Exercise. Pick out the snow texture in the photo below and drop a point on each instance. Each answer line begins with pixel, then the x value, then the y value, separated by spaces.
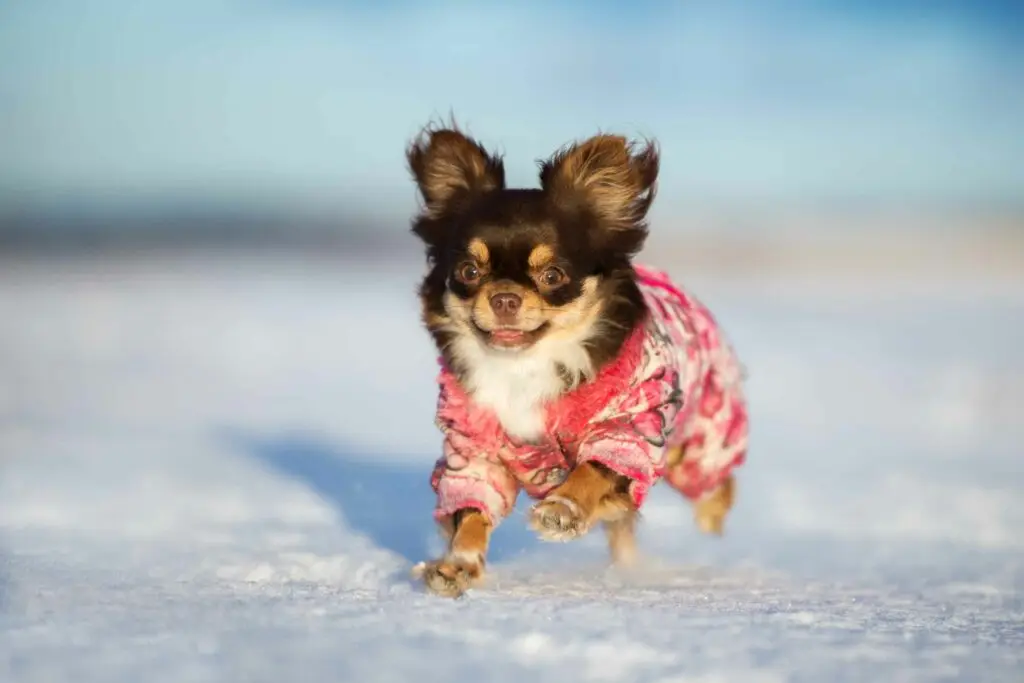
pixel 216 469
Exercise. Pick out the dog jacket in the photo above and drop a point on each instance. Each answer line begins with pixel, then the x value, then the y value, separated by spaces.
pixel 669 406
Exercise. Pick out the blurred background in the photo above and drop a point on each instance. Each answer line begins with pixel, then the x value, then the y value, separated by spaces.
pixel 283 122
pixel 204 215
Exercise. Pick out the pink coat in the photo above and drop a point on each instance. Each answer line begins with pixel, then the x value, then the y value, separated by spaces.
pixel 676 382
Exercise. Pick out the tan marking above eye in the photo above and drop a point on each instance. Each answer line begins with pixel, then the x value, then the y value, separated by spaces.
pixel 541 256
pixel 478 250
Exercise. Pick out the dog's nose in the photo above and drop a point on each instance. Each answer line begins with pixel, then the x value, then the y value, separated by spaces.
pixel 506 305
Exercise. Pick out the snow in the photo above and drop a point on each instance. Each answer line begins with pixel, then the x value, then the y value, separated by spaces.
pixel 215 469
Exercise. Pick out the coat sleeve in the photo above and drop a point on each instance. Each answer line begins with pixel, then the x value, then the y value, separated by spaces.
pixel 629 436
pixel 469 473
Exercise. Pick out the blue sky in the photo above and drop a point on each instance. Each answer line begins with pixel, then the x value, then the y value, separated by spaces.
pixel 311 101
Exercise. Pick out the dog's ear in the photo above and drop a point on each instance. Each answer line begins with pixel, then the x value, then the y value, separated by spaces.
pixel 612 178
pixel 449 167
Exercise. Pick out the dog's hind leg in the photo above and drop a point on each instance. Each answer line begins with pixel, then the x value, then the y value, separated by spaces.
pixel 621 533
pixel 709 508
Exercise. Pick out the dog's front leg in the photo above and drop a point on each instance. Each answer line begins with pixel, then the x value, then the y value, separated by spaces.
pixel 463 564
pixel 591 493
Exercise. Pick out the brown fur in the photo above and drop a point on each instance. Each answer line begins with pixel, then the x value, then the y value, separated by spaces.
pixel 621 534
pixel 710 511
pixel 479 251
pixel 465 199
pixel 534 310
pixel 462 566
pixel 607 175
pixel 587 220
pixel 448 165
pixel 595 494
pixel 540 257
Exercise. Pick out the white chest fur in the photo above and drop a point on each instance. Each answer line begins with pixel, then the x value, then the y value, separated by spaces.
pixel 516 385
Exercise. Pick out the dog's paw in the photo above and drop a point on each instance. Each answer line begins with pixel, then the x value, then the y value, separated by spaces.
pixel 558 519
pixel 448 577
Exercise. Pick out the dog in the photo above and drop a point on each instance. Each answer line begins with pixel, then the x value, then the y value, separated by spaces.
pixel 566 370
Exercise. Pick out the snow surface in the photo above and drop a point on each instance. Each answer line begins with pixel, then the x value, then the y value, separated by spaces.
pixel 215 469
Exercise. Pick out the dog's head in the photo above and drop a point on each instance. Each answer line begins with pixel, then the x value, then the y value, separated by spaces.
pixel 529 271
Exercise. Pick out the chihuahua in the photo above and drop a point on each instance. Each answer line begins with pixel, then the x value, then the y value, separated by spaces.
pixel 566 370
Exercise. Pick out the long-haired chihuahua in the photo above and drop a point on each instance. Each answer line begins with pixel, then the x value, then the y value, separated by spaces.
pixel 566 370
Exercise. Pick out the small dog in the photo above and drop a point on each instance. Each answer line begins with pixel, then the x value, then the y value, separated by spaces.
pixel 566 370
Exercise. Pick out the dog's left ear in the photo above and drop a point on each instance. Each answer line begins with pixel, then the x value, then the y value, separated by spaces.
pixel 612 178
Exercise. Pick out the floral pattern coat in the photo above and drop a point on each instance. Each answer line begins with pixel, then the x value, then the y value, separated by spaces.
pixel 669 406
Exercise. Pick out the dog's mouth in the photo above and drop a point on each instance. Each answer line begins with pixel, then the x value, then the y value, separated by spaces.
pixel 509 338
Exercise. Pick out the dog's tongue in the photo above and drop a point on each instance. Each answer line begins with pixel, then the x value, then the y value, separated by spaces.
pixel 507 336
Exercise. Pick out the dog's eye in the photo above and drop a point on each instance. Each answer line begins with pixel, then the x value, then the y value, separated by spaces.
pixel 553 277
pixel 467 273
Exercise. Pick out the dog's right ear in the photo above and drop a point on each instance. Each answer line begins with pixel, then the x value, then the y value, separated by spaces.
pixel 449 168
